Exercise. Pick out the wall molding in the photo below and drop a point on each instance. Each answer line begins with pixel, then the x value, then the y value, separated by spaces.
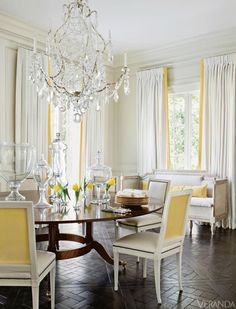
pixel 20 33
pixel 176 53
pixel 184 51
pixel 195 48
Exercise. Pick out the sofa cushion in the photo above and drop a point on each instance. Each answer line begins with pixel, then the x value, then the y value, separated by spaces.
pixel 201 201
pixel 184 179
pixel 210 186
pixel 176 188
pixel 198 191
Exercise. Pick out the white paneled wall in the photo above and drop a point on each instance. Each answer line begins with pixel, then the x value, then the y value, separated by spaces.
pixel 7 93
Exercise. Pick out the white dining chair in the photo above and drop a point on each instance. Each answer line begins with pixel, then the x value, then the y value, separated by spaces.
pixel 20 263
pixel 157 191
pixel 157 246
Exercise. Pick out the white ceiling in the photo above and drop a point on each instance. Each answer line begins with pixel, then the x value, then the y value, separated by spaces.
pixel 137 25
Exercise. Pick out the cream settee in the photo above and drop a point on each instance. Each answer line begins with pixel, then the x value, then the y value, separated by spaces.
pixel 209 209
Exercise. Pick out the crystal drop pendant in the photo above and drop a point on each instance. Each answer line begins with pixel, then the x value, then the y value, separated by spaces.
pixel 98 107
pixel 116 97
pixel 77 118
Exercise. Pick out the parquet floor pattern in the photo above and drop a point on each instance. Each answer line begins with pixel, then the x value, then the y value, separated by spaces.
pixel 209 274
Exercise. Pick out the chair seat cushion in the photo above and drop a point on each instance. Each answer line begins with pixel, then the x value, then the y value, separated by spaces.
pixel 144 241
pixel 44 259
pixel 144 220
pixel 201 201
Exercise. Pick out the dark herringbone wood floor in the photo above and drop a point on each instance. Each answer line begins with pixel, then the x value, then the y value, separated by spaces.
pixel 209 274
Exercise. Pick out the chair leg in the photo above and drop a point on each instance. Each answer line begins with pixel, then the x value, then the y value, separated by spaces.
pixel 35 296
pixel 138 259
pixel 144 268
pixel 213 229
pixel 52 286
pixel 117 230
pixel 191 226
pixel 116 269
pixel 157 275
pixel 179 269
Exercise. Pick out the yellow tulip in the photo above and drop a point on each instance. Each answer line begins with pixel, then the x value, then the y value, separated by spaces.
pixel 56 188
pixel 75 187
pixel 111 182
pixel 90 186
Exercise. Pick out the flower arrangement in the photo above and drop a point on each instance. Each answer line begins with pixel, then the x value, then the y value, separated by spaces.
pixel 81 187
pixel 61 191
pixel 87 184
pixel 77 189
pixel 109 183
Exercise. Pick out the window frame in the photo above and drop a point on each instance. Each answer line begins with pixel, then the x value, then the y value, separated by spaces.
pixel 188 99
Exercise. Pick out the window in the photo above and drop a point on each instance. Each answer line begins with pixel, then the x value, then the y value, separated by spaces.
pixel 184 127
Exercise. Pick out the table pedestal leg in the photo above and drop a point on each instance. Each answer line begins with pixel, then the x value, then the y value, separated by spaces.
pixel 54 236
pixel 98 246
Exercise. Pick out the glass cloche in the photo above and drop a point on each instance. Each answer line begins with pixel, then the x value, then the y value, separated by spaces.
pixel 99 174
pixel 58 161
pixel 16 163
pixel 42 173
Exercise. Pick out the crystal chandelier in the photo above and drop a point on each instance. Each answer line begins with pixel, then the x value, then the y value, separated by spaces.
pixel 76 77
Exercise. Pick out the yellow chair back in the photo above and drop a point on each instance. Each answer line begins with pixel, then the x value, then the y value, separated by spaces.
pixel 176 218
pixel 14 236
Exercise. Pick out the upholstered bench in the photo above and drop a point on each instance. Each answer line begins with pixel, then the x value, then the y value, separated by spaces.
pixel 211 206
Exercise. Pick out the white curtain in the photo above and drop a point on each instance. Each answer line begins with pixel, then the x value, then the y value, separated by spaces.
pixel 152 118
pixel 31 113
pixel 219 131
pixel 93 135
pixel 72 140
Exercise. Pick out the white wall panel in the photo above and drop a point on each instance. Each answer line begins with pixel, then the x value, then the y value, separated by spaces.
pixel 10 85
pixel 7 94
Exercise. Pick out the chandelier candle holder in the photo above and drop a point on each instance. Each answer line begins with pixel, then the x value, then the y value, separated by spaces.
pixel 76 77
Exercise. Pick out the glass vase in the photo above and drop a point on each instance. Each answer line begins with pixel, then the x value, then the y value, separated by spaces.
pixel 16 163
pixel 106 196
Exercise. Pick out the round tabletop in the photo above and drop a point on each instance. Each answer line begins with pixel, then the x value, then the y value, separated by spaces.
pixel 86 213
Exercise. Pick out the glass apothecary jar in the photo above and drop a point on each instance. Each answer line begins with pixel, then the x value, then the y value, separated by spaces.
pixel 58 162
pixel 42 173
pixel 99 174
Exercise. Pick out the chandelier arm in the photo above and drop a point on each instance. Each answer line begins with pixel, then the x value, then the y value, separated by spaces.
pixel 59 88
pixel 68 15
pixel 93 27
pixel 62 65
pixel 121 77
pixel 61 70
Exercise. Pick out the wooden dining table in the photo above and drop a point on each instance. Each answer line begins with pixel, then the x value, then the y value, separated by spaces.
pixel 86 214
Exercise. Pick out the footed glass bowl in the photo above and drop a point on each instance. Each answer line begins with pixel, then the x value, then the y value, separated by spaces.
pixel 16 163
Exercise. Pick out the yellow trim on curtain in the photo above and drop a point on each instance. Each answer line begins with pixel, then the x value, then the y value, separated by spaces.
pixel 167 116
pixel 49 131
pixel 200 115
pixel 81 148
